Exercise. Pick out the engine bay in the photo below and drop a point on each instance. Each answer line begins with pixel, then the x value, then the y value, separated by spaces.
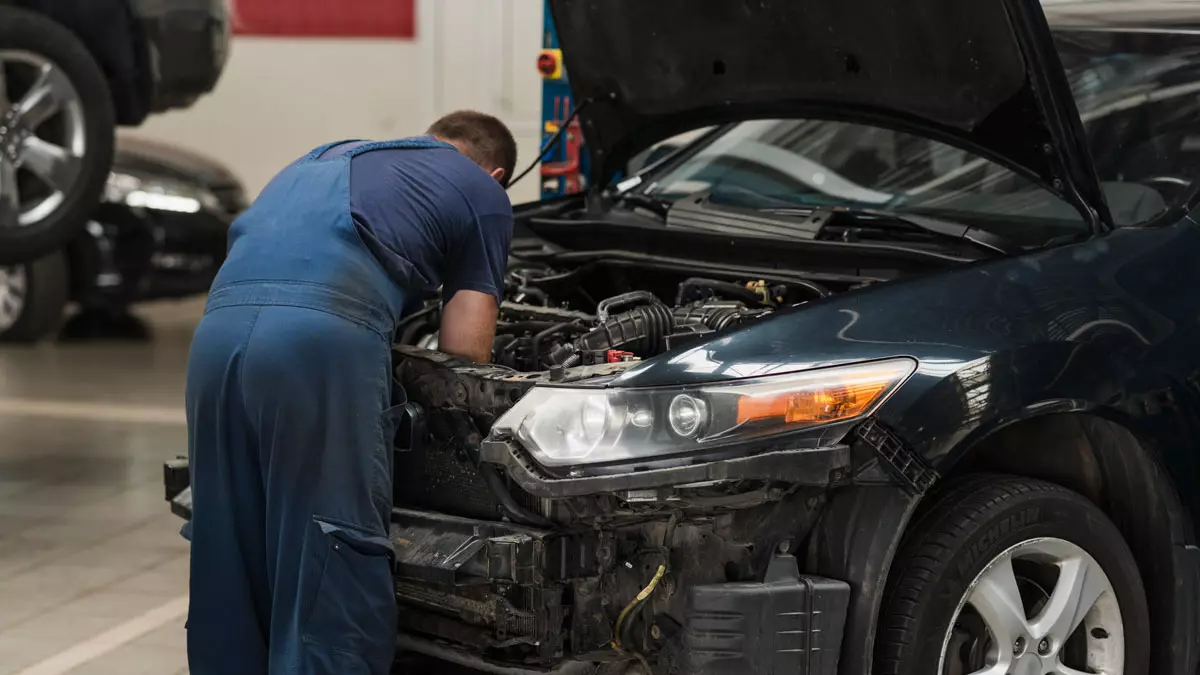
pixel 563 319
pixel 555 316
pixel 494 559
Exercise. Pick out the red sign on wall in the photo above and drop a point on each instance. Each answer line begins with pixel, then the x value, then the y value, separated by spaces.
pixel 324 18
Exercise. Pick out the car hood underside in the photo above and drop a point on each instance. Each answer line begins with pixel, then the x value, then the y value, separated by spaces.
pixel 981 73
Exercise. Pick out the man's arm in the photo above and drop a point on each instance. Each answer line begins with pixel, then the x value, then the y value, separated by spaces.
pixel 469 325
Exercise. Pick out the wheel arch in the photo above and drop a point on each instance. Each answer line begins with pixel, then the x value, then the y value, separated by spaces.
pixel 109 30
pixel 861 529
pixel 1121 473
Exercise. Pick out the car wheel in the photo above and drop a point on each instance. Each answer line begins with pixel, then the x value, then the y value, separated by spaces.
pixel 32 298
pixel 1003 575
pixel 56 135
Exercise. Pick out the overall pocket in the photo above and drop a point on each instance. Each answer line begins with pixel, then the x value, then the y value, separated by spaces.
pixel 354 610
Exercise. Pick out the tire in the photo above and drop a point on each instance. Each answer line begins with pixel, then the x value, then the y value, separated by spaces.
pixel 951 561
pixel 25 34
pixel 44 297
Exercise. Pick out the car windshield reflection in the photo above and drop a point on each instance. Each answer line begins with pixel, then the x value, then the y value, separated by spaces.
pixel 1139 100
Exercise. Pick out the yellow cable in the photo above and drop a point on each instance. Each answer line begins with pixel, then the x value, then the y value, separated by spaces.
pixel 641 596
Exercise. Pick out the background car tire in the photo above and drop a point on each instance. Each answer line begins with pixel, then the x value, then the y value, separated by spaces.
pixel 46 289
pixel 961 532
pixel 26 31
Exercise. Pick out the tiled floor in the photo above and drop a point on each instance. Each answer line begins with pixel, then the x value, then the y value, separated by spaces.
pixel 93 573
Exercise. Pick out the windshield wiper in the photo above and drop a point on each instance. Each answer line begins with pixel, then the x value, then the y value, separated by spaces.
pixel 915 222
pixel 656 205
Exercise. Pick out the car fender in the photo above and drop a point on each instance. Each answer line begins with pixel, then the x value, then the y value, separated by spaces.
pixel 108 29
pixel 1090 419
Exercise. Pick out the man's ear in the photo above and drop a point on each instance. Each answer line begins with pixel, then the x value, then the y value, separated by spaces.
pixel 498 174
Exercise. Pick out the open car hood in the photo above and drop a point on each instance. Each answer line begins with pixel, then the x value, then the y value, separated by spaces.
pixel 981 74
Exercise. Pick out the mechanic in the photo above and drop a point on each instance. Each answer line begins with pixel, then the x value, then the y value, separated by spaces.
pixel 289 391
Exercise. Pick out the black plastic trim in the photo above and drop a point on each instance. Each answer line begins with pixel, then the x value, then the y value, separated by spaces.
pixel 176 477
pixel 411 643
pixel 437 548
pixel 817 467
pixel 181 504
pixel 788 623
pixel 856 540
pixel 189 41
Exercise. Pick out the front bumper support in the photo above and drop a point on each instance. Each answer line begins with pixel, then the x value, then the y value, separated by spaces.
pixel 449 550
pixel 452 572
pixel 470 590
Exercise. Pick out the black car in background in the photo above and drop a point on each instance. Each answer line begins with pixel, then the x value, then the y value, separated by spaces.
pixel 70 72
pixel 159 232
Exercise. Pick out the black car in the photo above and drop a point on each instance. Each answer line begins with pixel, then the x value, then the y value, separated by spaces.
pixel 893 371
pixel 70 71
pixel 159 232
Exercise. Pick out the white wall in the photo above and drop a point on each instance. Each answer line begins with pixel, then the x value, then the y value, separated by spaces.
pixel 280 97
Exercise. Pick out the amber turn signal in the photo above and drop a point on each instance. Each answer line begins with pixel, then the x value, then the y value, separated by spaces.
pixel 832 402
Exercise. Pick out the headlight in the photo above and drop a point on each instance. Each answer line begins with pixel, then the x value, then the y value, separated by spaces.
pixel 158 195
pixel 563 426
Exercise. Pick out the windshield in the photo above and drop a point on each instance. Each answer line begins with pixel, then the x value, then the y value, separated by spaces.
pixel 1139 98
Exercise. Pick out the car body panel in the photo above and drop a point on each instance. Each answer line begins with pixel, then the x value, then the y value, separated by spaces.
pixel 1107 325
pixel 158 55
pixel 142 156
pixel 1102 333
pixel 109 30
pixel 642 71
pixel 189 42
pixel 130 254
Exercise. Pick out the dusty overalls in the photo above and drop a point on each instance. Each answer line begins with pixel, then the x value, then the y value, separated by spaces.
pixel 288 398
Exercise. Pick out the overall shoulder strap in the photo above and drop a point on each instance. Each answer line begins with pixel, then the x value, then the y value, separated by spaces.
pixel 414 143
pixel 316 153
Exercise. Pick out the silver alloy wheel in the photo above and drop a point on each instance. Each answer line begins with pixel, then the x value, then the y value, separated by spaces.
pixel 1069 625
pixel 42 137
pixel 14 285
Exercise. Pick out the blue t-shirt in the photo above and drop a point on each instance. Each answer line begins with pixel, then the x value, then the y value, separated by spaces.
pixel 432 217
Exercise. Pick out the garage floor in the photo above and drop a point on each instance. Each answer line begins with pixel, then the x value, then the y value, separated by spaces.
pixel 93 573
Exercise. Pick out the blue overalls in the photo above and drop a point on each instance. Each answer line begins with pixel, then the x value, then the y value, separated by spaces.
pixel 289 401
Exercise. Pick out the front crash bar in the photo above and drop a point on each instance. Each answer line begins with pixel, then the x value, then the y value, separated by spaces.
pixel 442 549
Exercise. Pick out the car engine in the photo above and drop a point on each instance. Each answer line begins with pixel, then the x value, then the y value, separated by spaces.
pixel 542 327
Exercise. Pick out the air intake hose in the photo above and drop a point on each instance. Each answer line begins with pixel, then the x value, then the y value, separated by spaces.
pixel 642 330
pixel 716 317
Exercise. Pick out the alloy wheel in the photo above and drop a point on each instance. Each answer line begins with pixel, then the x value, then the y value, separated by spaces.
pixel 42 137
pixel 14 287
pixel 1043 606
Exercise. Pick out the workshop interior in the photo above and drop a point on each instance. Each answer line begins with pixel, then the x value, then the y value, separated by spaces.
pixel 835 337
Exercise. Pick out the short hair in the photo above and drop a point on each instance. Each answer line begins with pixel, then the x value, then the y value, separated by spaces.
pixel 483 138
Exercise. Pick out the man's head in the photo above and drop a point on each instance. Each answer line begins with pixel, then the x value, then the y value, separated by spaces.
pixel 482 138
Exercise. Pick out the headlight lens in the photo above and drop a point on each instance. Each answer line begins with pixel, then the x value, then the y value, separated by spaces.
pixel 158 195
pixel 562 426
